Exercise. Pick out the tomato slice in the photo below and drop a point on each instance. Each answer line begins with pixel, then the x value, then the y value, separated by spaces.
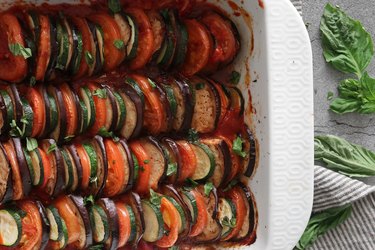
pixel 171 223
pixel 16 175
pixel 38 106
pixel 112 55
pixel 46 167
pixel 202 218
pixel 44 48
pixel 235 159
pixel 100 109
pixel 225 42
pixel 87 40
pixel 235 195
pixel 200 47
pixel 145 38
pixel 144 171
pixel 116 163
pixel 189 161
pixel 70 109
pixel 64 205
pixel 12 68
pixel 86 169
pixel 124 223
pixel 32 229
pixel 155 120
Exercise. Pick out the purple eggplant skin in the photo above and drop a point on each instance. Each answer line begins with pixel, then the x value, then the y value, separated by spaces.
pixel 79 110
pixel 213 197
pixel 134 200
pixel 56 93
pixel 252 154
pixel 167 108
pixel 73 152
pixel 171 191
pixel 139 105
pixel 128 152
pixel 50 72
pixel 47 127
pixel 100 149
pixel 45 225
pixel 115 116
pixel 171 144
pixel 17 104
pixel 60 170
pixel 110 208
pixel 227 161
pixel 24 169
pixel 8 192
pixel 216 95
pixel 80 204
pixel 188 93
pixel 250 236
pixel 156 143
pixel 3 109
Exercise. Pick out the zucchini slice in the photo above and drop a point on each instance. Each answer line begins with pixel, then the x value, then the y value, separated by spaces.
pixel 121 109
pixel 99 223
pixel 27 118
pixel 226 216
pixel 133 224
pixel 86 96
pixel 10 115
pixel 191 203
pixel 205 162
pixel 154 223
pixel 132 45
pixel 11 227
pixel 37 166
pixel 180 210
pixel 77 50
pixel 93 162
pixel 56 224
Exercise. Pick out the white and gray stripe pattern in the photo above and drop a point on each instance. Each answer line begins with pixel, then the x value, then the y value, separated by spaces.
pixel 332 190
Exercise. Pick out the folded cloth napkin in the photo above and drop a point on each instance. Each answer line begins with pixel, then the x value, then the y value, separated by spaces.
pixel 334 190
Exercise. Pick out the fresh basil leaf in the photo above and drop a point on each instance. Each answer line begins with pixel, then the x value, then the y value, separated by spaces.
pixel 322 222
pixel 146 161
pixel 355 96
pixel 192 182
pixel 231 184
pixel 18 50
pixel 172 168
pixel 32 81
pixel 68 138
pixel 200 86
pixel 231 223
pixel 237 147
pixel 155 198
pixel 31 144
pixel 89 200
pixel 105 133
pixel 329 95
pixel 101 93
pixel 114 6
pixel 208 187
pixel 51 148
pixel 235 77
pixel 193 135
pixel 89 59
pixel 152 83
pixel 344 157
pixel 119 44
pixel 15 130
pixel 346 44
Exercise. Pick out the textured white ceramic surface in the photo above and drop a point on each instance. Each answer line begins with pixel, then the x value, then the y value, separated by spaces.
pixel 279 73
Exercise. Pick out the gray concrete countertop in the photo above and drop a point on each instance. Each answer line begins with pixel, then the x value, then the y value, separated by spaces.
pixel 356 128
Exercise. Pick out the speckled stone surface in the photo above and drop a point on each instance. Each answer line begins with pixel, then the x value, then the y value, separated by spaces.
pixel 356 128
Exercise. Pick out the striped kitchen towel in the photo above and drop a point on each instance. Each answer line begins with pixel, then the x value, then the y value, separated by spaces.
pixel 334 190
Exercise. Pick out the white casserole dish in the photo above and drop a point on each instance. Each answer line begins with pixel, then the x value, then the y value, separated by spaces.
pixel 278 72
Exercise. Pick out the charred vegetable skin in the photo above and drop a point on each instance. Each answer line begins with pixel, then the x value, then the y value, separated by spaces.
pixel 41 47
pixel 129 106
pixel 106 167
pixel 79 223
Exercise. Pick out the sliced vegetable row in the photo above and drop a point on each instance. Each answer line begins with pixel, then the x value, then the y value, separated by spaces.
pixel 109 167
pixel 134 105
pixel 45 47
pixel 169 217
